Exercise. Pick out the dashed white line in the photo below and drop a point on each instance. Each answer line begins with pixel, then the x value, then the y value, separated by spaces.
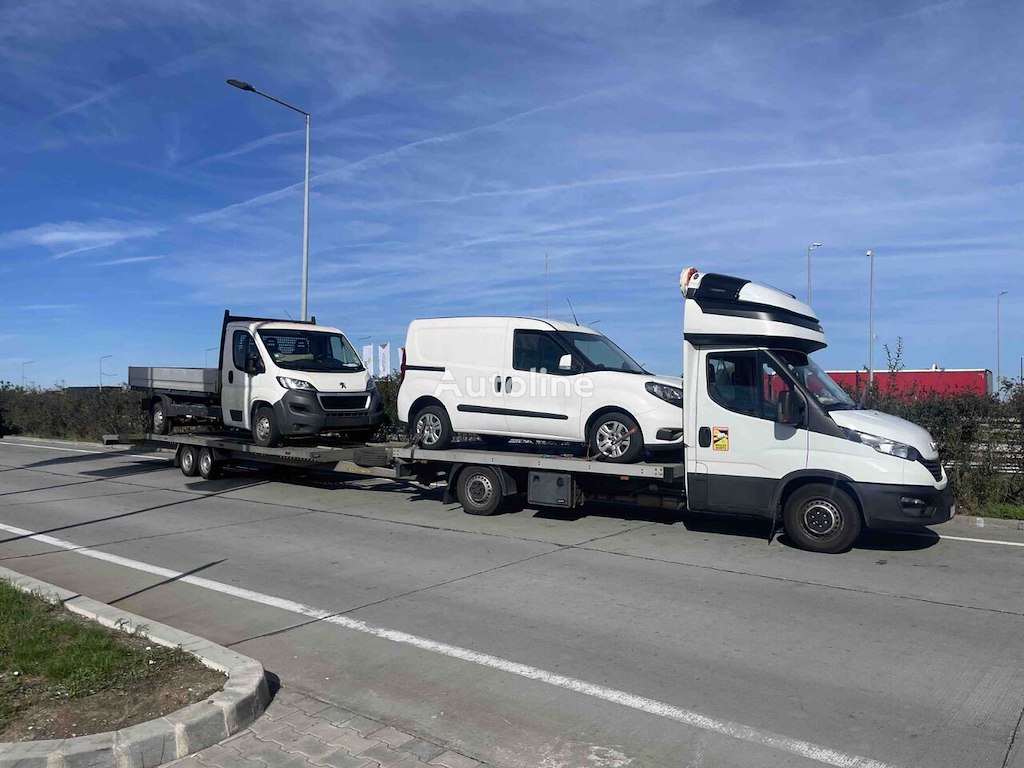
pixel 739 731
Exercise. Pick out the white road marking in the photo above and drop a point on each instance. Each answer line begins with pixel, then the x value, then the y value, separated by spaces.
pixel 81 450
pixel 983 541
pixel 733 730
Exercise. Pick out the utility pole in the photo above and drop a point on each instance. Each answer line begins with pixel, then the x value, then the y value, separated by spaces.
pixel 810 248
pixel 871 320
pixel 545 286
pixel 102 358
pixel 23 364
pixel 999 357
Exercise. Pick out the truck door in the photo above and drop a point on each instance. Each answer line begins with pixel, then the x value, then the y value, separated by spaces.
pixel 236 384
pixel 742 451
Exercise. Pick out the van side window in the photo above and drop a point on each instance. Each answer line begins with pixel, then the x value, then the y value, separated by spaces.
pixel 242 345
pixel 536 351
pixel 745 382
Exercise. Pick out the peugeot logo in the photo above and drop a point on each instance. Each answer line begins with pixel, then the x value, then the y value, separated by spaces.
pixel 343 385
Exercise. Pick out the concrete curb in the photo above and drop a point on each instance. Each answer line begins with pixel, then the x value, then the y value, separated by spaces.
pixel 243 699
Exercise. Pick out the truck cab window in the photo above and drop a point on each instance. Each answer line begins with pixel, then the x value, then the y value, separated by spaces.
pixel 242 346
pixel 733 381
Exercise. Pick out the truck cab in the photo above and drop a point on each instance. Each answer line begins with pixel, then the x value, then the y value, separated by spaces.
pixel 768 430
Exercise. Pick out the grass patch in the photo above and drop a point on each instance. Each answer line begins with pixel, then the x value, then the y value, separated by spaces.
pixel 1002 511
pixel 50 657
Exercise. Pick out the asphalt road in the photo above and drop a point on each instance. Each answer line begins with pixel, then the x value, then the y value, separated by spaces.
pixel 608 639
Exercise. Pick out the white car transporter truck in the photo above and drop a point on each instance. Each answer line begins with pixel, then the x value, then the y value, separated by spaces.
pixel 766 434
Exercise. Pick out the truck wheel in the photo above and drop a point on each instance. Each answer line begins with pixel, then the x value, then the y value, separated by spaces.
pixel 187 460
pixel 209 467
pixel 616 437
pixel 264 428
pixel 822 518
pixel 434 427
pixel 479 491
pixel 160 424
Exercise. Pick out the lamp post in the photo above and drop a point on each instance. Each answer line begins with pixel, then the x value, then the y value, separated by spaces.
pixel 999 358
pixel 206 358
pixel 102 358
pixel 305 205
pixel 871 319
pixel 23 364
pixel 810 248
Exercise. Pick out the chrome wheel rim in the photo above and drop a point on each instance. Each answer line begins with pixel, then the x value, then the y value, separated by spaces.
pixel 479 489
pixel 158 419
pixel 612 439
pixel 262 428
pixel 205 463
pixel 821 518
pixel 430 423
pixel 188 460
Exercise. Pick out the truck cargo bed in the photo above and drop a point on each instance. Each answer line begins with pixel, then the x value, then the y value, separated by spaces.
pixel 201 381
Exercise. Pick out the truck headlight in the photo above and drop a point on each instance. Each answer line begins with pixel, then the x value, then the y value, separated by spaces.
pixel 288 383
pixel 664 392
pixel 884 444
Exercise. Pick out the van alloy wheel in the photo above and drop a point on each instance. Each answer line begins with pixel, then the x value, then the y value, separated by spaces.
pixel 432 428
pixel 612 439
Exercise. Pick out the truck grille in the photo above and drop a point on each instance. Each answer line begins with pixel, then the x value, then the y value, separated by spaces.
pixel 344 402
pixel 934 466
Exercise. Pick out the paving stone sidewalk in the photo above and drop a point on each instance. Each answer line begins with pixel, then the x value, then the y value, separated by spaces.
pixel 298 731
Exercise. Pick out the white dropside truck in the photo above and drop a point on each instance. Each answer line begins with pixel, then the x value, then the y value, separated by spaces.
pixel 275 379
pixel 767 435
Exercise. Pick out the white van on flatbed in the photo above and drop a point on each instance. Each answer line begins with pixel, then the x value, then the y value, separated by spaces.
pixel 512 377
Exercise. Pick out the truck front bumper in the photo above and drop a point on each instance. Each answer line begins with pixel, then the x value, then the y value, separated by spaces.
pixel 299 413
pixel 905 506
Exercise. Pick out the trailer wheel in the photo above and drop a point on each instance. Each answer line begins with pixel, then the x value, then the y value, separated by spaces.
pixel 187 460
pixel 822 518
pixel 209 467
pixel 479 491
pixel 159 422
pixel 615 437
pixel 265 431
pixel 434 427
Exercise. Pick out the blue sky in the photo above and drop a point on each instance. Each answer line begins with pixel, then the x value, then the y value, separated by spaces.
pixel 457 143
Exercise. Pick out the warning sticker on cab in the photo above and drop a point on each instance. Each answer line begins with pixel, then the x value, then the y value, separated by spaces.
pixel 720 438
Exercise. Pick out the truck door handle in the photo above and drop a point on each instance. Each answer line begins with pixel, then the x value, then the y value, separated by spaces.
pixel 497 383
pixel 704 437
pixel 231 377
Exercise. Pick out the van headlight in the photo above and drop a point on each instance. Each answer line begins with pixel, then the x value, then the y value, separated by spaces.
pixel 884 445
pixel 664 392
pixel 289 383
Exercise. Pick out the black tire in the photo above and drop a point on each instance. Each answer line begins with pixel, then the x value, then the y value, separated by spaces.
pixel 265 431
pixel 479 491
pixel 437 428
pixel 371 456
pixel 159 423
pixel 209 467
pixel 822 518
pixel 187 460
pixel 607 438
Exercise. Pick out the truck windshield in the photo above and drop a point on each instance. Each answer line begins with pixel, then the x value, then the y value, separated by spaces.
pixel 600 353
pixel 312 351
pixel 817 382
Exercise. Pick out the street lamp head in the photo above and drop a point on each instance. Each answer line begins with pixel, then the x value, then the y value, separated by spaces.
pixel 815 245
pixel 1003 293
pixel 869 254
pixel 240 84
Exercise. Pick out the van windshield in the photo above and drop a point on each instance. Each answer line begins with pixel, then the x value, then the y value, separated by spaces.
pixel 311 351
pixel 821 386
pixel 599 352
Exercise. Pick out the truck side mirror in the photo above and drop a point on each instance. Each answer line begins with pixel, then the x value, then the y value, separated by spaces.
pixel 253 365
pixel 790 409
pixel 565 363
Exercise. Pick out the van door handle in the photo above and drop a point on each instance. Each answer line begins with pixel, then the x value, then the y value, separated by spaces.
pixel 508 383
pixel 704 437
pixel 497 383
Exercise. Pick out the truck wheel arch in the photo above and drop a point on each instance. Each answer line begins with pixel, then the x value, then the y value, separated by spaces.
pixel 794 480
pixel 509 486
pixel 254 406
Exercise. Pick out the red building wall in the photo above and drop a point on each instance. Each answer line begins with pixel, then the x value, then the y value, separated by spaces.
pixel 943 382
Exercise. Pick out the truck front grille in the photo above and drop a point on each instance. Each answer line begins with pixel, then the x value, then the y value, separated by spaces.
pixel 344 402
pixel 934 466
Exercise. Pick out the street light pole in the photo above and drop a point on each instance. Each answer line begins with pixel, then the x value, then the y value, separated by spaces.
pixel 305 206
pixel 206 357
pixel 23 364
pixel 102 358
pixel 810 248
pixel 870 321
pixel 999 358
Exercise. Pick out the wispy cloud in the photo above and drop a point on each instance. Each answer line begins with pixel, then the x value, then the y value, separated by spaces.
pixel 67 238
pixel 47 307
pixel 128 260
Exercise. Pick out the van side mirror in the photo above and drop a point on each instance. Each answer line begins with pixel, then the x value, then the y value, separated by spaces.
pixel 565 363
pixel 253 365
pixel 790 409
